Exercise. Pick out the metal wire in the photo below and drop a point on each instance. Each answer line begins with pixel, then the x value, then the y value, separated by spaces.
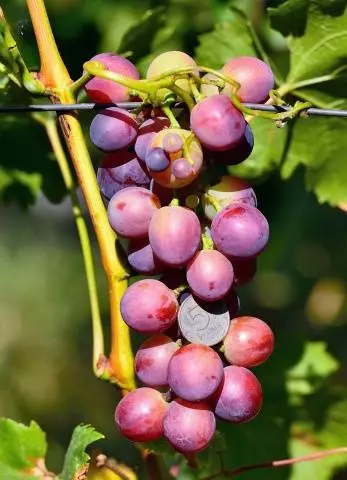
pixel 133 105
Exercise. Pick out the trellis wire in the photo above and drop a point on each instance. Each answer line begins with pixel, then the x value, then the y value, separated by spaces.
pixel 132 105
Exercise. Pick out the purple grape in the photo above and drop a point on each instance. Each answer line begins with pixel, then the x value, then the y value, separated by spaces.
pixel 244 271
pixel 189 427
pixel 157 160
pixel 239 397
pixel 174 234
pixel 142 259
pixel 148 306
pixel 130 211
pixel 195 372
pixel 112 129
pixel 146 132
pixel 217 123
pixel 120 170
pixel 100 90
pixel 254 76
pixel 210 275
pixel 238 152
pixel 181 168
pixel 152 360
pixel 240 231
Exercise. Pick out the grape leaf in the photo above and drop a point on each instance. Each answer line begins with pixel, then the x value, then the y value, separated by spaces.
pixel 320 145
pixel 20 447
pixel 76 458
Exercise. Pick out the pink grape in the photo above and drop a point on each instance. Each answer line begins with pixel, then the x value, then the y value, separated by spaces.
pixel 240 231
pixel 174 235
pixel 188 426
pixel 244 271
pixel 142 259
pixel 249 342
pixel 140 415
pixel 254 76
pixel 195 372
pixel 217 123
pixel 146 132
pixel 210 275
pixel 152 360
pixel 112 129
pixel 239 397
pixel 119 170
pixel 130 211
pixel 100 90
pixel 148 306
pixel 181 168
pixel 172 142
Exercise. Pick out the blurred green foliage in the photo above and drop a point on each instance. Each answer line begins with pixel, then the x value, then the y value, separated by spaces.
pixel 301 284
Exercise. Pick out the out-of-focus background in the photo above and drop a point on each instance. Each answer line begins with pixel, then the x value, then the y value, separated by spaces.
pixel 45 329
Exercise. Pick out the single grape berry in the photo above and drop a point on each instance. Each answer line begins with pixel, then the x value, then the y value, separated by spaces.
pixel 152 360
pixel 172 142
pixel 174 235
pixel 210 275
pixel 254 76
pixel 148 306
pixel 100 90
pixel 238 152
pixel 217 123
pixel 239 397
pixel 249 342
pixel 112 129
pixel 140 415
pixel 142 259
pixel 188 426
pixel 130 211
pixel 157 160
pixel 240 231
pixel 181 168
pixel 168 61
pixel 195 372
pixel 244 271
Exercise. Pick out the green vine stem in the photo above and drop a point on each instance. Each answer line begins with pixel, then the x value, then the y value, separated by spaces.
pixel 119 369
pixel 50 125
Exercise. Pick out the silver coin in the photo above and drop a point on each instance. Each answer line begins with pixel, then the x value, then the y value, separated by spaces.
pixel 201 322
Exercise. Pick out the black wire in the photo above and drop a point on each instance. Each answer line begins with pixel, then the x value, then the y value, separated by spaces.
pixel 132 105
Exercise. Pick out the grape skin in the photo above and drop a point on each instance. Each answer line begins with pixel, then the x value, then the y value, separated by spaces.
pixel 174 234
pixel 195 372
pixel 146 132
pixel 217 123
pixel 100 90
pixel 130 211
pixel 249 342
pixel 239 397
pixel 140 415
pixel 152 360
pixel 237 153
pixel 210 275
pixel 254 76
pixel 240 230
pixel 157 160
pixel 142 259
pixel 112 129
pixel 189 427
pixel 244 271
pixel 120 170
pixel 148 306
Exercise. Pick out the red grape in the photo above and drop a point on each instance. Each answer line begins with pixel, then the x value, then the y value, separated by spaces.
pixel 100 90
pixel 239 397
pixel 130 211
pixel 249 342
pixel 254 76
pixel 174 234
pixel 188 426
pixel 152 360
pixel 217 123
pixel 240 230
pixel 210 275
pixel 148 306
pixel 195 372
pixel 140 415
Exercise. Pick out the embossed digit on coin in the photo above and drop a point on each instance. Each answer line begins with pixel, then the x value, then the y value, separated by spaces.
pixel 202 322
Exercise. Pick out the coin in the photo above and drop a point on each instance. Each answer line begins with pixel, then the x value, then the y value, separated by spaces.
pixel 202 322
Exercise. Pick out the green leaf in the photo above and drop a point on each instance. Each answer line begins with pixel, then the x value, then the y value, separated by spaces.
pixel 76 458
pixel 320 145
pixel 269 144
pixel 20 447
pixel 228 39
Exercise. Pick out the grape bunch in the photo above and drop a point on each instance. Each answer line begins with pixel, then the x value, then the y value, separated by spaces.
pixel 193 232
